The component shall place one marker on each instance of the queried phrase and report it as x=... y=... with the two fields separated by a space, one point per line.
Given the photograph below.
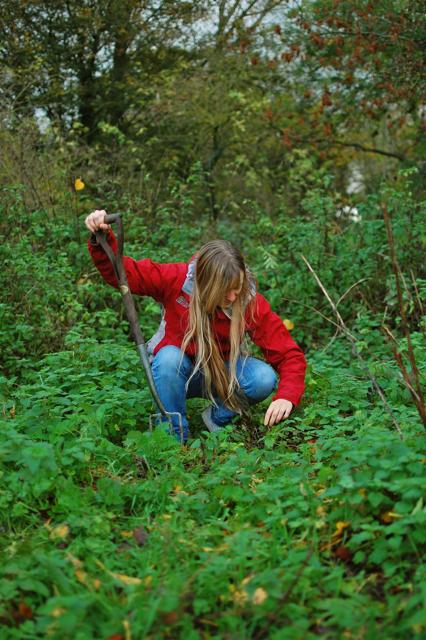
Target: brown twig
x=352 y=340
x=419 y=301
x=342 y=297
x=418 y=398
x=400 y=362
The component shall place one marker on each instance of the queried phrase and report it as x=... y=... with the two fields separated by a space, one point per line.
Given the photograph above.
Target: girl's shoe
x=207 y=419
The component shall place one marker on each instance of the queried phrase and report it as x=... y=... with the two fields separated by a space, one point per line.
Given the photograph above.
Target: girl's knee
x=169 y=362
x=260 y=383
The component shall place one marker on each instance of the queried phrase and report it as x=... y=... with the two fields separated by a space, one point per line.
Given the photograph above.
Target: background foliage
x=288 y=128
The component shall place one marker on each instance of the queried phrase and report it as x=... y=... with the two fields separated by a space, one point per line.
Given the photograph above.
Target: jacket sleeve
x=145 y=277
x=267 y=330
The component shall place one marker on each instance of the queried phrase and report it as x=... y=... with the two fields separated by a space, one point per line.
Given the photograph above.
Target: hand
x=95 y=221
x=278 y=410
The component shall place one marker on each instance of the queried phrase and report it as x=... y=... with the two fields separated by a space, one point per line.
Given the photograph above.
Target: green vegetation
x=254 y=127
x=314 y=528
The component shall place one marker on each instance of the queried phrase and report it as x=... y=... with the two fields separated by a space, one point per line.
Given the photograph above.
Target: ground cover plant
x=315 y=528
x=298 y=132
x=108 y=530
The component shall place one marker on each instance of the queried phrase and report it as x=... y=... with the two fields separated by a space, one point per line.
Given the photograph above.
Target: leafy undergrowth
x=315 y=528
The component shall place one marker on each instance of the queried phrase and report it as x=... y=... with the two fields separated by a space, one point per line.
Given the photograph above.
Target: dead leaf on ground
x=259 y=596
x=343 y=553
x=141 y=536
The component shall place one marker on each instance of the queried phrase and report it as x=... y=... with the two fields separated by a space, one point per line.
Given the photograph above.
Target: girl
x=209 y=306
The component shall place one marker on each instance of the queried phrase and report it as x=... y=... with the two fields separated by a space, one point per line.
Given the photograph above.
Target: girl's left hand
x=278 y=410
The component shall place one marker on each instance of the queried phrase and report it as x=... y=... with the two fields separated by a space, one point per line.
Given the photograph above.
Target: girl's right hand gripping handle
x=116 y=217
x=112 y=217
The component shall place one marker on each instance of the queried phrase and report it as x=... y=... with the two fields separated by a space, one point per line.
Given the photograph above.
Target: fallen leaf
x=343 y=553
x=60 y=532
x=389 y=516
x=239 y=596
x=81 y=576
x=335 y=538
x=126 y=625
x=121 y=577
x=74 y=561
x=259 y=596
x=140 y=535
x=170 y=617
x=79 y=184
x=288 y=324
x=340 y=527
x=22 y=612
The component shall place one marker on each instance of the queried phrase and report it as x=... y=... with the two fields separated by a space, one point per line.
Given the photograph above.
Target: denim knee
x=169 y=363
x=258 y=380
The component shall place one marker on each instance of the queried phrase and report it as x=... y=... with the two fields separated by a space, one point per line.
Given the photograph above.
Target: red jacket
x=171 y=286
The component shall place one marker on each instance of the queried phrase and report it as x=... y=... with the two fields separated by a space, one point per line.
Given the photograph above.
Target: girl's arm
x=267 y=330
x=145 y=277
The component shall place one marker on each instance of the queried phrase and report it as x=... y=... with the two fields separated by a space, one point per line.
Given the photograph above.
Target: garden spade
x=129 y=306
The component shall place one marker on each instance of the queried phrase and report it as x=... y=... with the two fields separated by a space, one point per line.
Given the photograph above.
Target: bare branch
x=418 y=399
x=404 y=373
x=419 y=302
x=360 y=147
x=349 y=290
x=352 y=340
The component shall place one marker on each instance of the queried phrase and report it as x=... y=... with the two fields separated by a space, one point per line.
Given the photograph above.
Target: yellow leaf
x=121 y=577
x=60 y=532
x=81 y=576
x=288 y=324
x=57 y=612
x=77 y=564
x=389 y=516
x=126 y=626
x=79 y=184
x=340 y=527
x=239 y=596
x=259 y=596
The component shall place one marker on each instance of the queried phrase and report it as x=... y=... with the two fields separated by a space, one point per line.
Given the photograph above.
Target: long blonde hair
x=218 y=270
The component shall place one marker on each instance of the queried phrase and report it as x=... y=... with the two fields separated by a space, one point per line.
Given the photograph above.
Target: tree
x=85 y=60
x=359 y=72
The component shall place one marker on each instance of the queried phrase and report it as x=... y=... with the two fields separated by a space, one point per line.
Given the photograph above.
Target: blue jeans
x=171 y=372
